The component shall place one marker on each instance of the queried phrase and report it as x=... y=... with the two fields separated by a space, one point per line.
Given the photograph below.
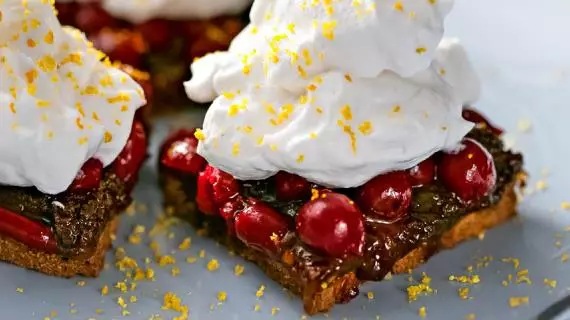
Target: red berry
x=31 y=233
x=332 y=224
x=180 y=153
x=90 y=18
x=204 y=192
x=423 y=173
x=261 y=227
x=157 y=33
x=66 y=12
x=124 y=46
x=476 y=117
x=215 y=188
x=469 y=172
x=89 y=176
x=386 y=197
x=290 y=187
x=230 y=210
x=130 y=160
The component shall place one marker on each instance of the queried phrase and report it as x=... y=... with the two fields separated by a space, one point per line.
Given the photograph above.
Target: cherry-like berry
x=476 y=117
x=386 y=197
x=333 y=224
x=179 y=153
x=31 y=233
x=157 y=34
x=89 y=176
x=215 y=188
x=290 y=187
x=229 y=210
x=423 y=173
x=130 y=160
x=261 y=227
x=469 y=171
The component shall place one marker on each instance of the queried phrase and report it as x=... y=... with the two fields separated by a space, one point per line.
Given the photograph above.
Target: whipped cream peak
x=59 y=104
x=138 y=11
x=334 y=91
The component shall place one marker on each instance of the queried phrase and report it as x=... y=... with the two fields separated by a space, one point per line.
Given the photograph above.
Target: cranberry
x=157 y=34
x=205 y=193
x=474 y=116
x=386 y=197
x=469 y=172
x=130 y=160
x=333 y=224
x=124 y=46
x=90 y=18
x=180 y=153
x=423 y=173
x=215 y=188
x=89 y=176
x=230 y=210
x=261 y=227
x=66 y=12
x=31 y=233
x=290 y=187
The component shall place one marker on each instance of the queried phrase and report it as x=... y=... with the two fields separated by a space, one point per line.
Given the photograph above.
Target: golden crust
x=19 y=254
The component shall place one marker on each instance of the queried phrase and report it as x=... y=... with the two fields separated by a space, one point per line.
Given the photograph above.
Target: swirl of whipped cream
x=334 y=91
x=59 y=104
x=138 y=11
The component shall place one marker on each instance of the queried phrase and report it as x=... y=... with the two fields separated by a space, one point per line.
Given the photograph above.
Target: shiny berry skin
x=91 y=18
x=387 y=196
x=130 y=160
x=229 y=210
x=157 y=34
x=333 y=224
x=180 y=153
x=125 y=46
x=89 y=176
x=423 y=173
x=215 y=188
x=469 y=172
x=261 y=227
x=204 y=193
x=31 y=233
x=476 y=117
x=289 y=187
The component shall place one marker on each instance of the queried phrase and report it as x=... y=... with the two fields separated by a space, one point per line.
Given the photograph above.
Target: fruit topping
x=229 y=210
x=157 y=34
x=91 y=18
x=476 y=117
x=125 y=46
x=130 y=160
x=66 y=12
x=290 y=187
x=179 y=153
x=261 y=227
x=423 y=173
x=215 y=188
x=469 y=171
x=31 y=233
x=333 y=224
x=387 y=196
x=89 y=176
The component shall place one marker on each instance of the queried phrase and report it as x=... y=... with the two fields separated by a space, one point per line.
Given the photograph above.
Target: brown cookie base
x=19 y=254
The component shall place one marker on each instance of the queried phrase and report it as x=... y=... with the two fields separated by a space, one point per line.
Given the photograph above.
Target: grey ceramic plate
x=522 y=51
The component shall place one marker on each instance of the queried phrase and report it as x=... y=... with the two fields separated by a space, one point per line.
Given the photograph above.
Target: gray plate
x=522 y=51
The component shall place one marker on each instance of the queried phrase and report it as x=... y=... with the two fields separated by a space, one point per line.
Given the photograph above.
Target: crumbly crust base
x=19 y=254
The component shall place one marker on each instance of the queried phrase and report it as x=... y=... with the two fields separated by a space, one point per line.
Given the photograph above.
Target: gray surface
x=523 y=54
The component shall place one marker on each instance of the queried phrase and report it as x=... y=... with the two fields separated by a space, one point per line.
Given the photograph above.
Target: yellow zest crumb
x=121 y=302
x=565 y=205
x=166 y=260
x=105 y=291
x=274 y=311
x=550 y=283
x=185 y=244
x=175 y=271
x=370 y=295
x=81 y=283
x=20 y=290
x=222 y=296
x=471 y=279
x=463 y=293
x=122 y=286
x=422 y=312
x=238 y=270
x=515 y=302
x=191 y=259
x=260 y=291
x=471 y=316
x=414 y=291
x=213 y=265
x=172 y=302
x=256 y=307
x=133 y=299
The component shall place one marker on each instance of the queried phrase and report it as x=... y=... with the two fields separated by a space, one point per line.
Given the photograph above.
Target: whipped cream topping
x=334 y=91
x=138 y=11
x=59 y=104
